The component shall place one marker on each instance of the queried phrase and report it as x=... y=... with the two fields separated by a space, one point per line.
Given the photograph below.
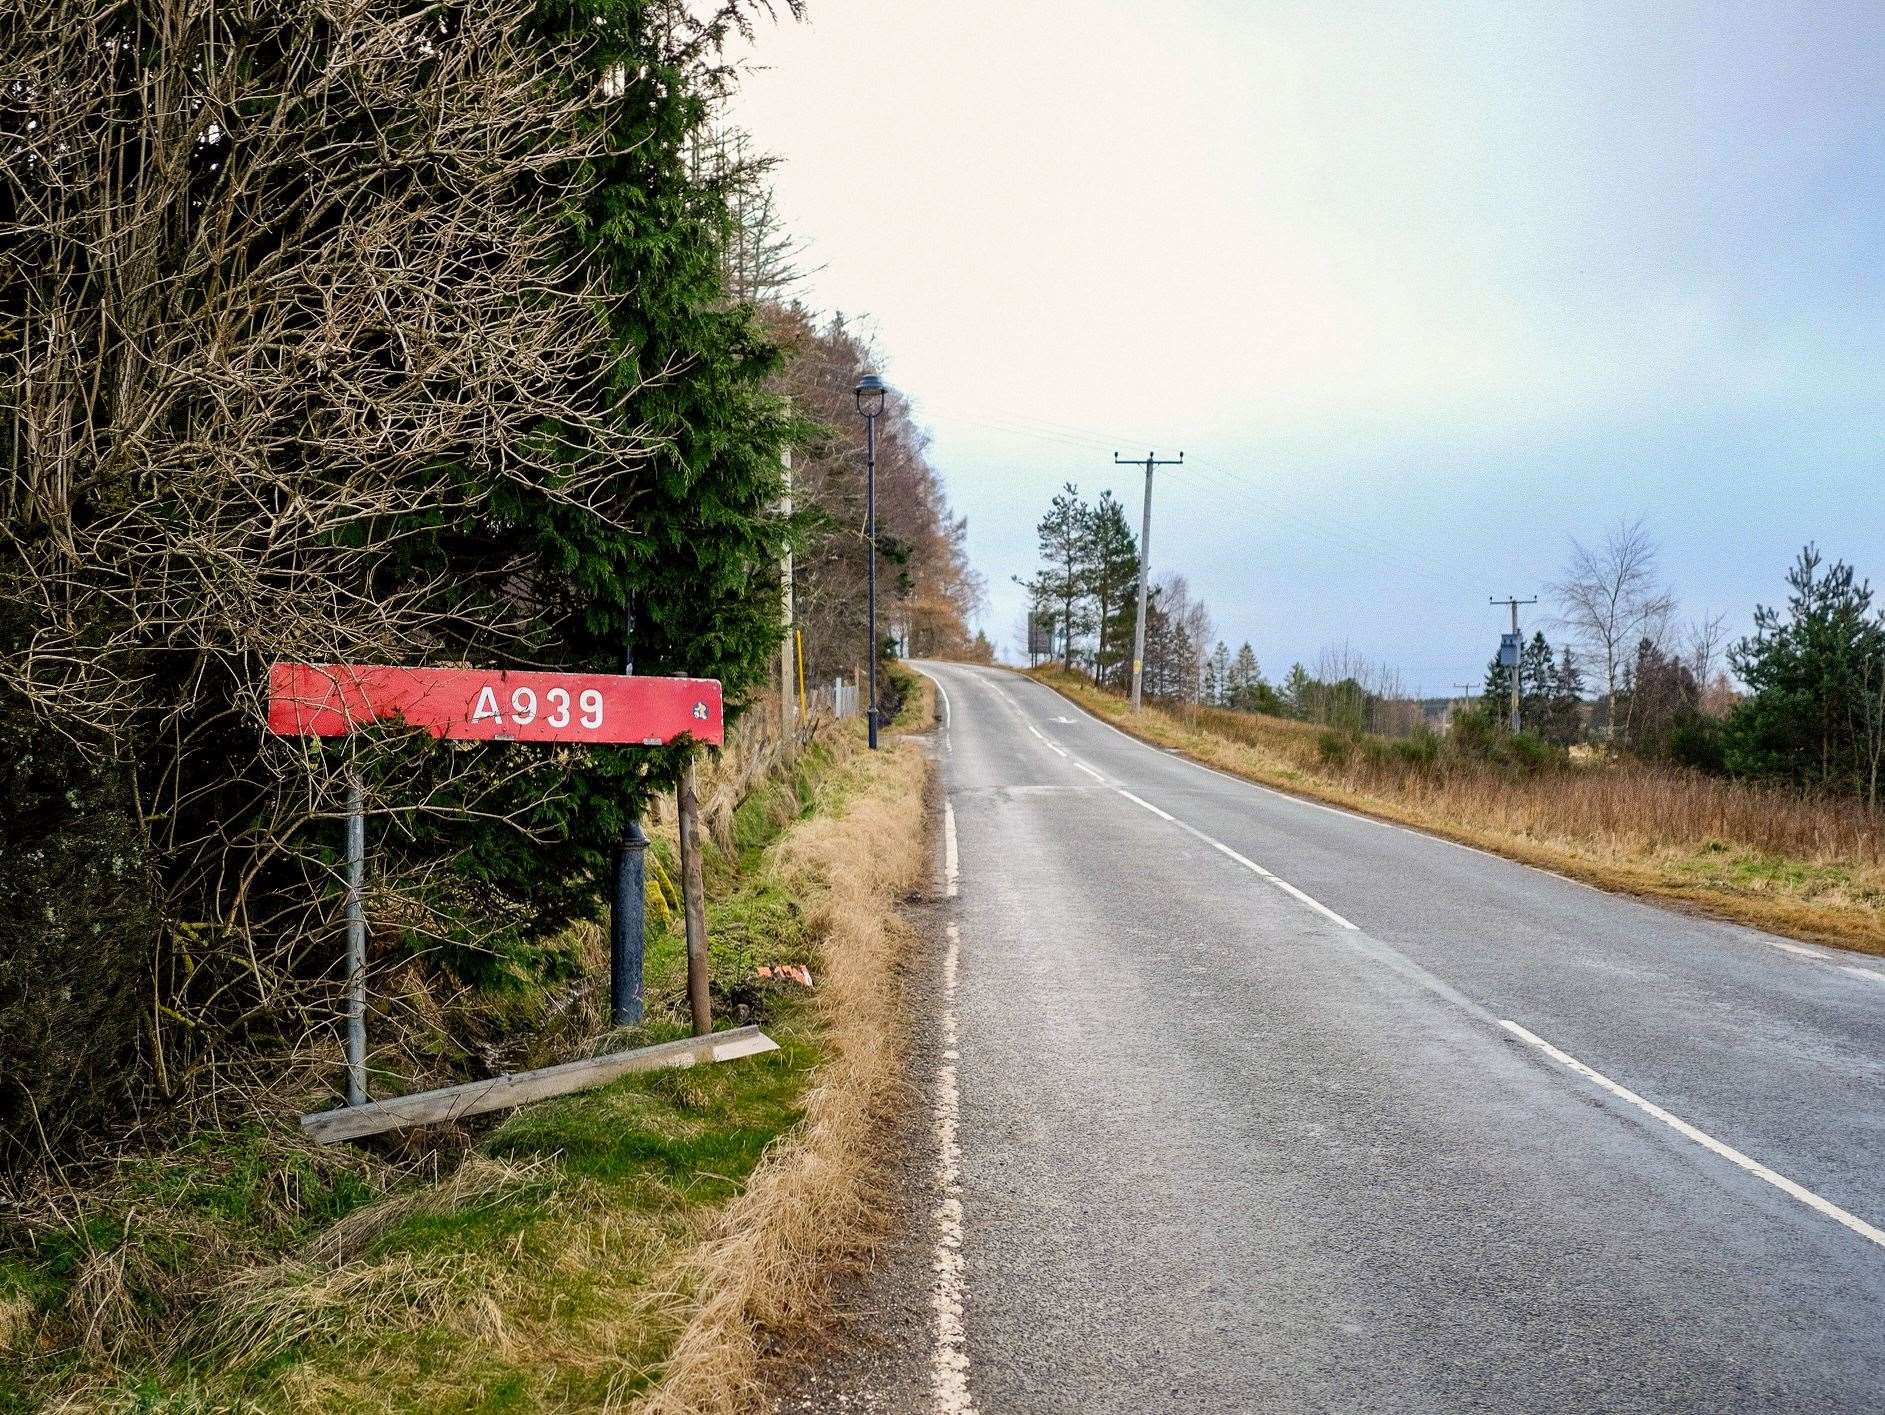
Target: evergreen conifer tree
x=1298 y=691
x=1567 y=699
x=1219 y=682
x=1537 y=676
x=685 y=555
x=1059 y=589
x=1111 y=556
x=1496 y=696
x=1813 y=673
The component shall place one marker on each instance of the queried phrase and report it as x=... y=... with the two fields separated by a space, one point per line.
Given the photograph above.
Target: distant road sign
x=1040 y=635
x=494 y=705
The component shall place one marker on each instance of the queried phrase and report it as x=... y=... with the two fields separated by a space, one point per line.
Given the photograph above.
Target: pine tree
x=1537 y=675
x=1496 y=696
x=1247 y=687
x=1111 y=561
x=1298 y=691
x=1567 y=699
x=1059 y=589
x=1813 y=674
x=1219 y=683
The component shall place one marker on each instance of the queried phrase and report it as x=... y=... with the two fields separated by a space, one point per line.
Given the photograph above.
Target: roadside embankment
x=650 y=1245
x=1805 y=867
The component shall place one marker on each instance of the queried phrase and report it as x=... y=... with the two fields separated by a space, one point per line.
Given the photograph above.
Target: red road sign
x=494 y=705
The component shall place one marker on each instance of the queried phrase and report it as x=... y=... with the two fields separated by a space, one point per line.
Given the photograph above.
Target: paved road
x=1245 y=1103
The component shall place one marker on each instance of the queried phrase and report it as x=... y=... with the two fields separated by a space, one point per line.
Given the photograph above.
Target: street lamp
x=870 y=402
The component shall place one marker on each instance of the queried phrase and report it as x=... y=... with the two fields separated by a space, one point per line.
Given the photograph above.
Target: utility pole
x=1518 y=649
x=871 y=393
x=1145 y=563
x=870 y=535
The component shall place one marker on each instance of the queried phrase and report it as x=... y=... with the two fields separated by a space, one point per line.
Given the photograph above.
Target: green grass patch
x=1721 y=864
x=916 y=699
x=561 y=1227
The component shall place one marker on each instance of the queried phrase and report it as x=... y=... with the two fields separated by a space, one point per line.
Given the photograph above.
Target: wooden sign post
x=472 y=705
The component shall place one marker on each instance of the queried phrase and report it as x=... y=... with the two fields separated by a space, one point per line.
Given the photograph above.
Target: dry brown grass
x=16 y=1323
x=578 y=1276
x=1804 y=866
x=813 y=1208
x=332 y=1287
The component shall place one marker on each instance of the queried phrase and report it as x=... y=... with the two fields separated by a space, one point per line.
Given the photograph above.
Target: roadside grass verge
x=916 y=705
x=649 y=1244
x=1806 y=867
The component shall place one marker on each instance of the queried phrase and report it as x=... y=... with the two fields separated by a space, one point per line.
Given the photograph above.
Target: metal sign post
x=491 y=705
x=356 y=942
x=628 y=906
x=1040 y=637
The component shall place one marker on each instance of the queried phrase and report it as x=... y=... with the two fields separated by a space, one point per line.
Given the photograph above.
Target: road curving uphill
x=1260 y=1104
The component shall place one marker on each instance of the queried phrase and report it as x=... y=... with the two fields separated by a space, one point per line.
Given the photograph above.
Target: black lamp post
x=870 y=402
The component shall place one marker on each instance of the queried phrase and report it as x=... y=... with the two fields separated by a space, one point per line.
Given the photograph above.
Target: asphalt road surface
x=1244 y=1103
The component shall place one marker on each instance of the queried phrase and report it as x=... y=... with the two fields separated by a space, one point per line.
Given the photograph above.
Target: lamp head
x=870 y=395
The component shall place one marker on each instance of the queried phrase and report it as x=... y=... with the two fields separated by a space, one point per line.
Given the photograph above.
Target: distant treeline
x=1800 y=701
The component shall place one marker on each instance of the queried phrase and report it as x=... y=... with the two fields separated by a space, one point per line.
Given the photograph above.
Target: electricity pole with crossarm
x=1145 y=562
x=1516 y=651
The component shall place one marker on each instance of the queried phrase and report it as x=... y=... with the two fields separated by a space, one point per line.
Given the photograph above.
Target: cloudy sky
x=1422 y=290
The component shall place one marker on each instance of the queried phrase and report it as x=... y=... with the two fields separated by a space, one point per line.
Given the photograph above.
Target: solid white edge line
x=949 y=1364
x=1706 y=1141
x=1087 y=769
x=951 y=872
x=1863 y=972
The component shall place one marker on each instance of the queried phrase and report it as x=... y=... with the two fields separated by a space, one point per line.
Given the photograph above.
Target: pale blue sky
x=1421 y=290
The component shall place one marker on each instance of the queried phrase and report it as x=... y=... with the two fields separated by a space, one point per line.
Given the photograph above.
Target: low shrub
x=1335 y=748
x=1699 y=743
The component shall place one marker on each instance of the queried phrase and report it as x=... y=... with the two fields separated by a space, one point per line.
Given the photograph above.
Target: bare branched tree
x=1705 y=643
x=1611 y=600
x=763 y=260
x=1869 y=727
x=290 y=312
